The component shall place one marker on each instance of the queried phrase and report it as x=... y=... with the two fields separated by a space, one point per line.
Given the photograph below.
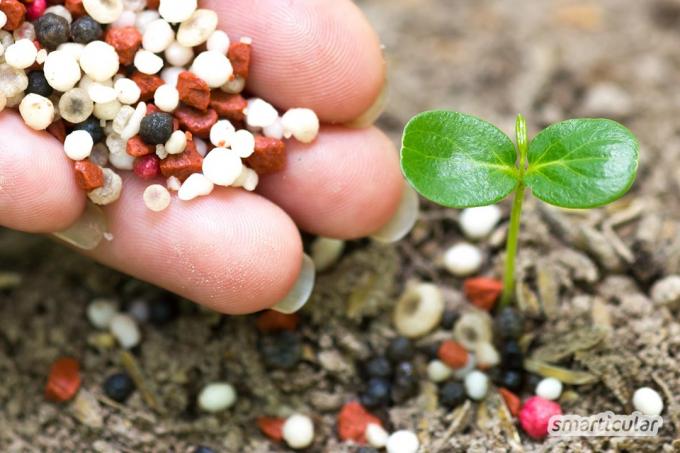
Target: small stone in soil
x=400 y=349
x=298 y=431
x=377 y=393
x=378 y=367
x=479 y=222
x=463 y=259
x=37 y=84
x=452 y=394
x=93 y=127
x=52 y=31
x=282 y=350
x=535 y=414
x=119 y=387
x=64 y=380
x=203 y=449
x=438 y=371
x=476 y=385
x=163 y=311
x=511 y=379
x=549 y=388
x=156 y=128
x=648 y=401
x=403 y=442
x=217 y=397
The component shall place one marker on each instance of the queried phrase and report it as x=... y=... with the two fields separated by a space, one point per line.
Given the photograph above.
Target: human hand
x=239 y=252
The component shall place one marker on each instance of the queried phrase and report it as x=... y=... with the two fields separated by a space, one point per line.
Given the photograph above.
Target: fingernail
x=88 y=231
x=403 y=221
x=299 y=295
x=372 y=114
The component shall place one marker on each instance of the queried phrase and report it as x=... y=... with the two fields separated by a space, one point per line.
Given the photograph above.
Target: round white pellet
x=487 y=355
x=213 y=67
x=549 y=388
x=217 y=397
x=171 y=75
x=275 y=130
x=260 y=113
x=243 y=143
x=476 y=385
x=126 y=19
x=173 y=183
x=419 y=310
x=148 y=62
x=219 y=42
x=197 y=29
x=221 y=133
x=104 y=11
x=126 y=331
x=158 y=36
x=463 y=259
x=222 y=166
x=303 y=124
x=178 y=55
x=99 y=61
x=298 y=431
x=100 y=312
x=376 y=436
x=139 y=310
x=61 y=70
x=127 y=90
x=402 y=441
x=438 y=371
x=156 y=198
x=21 y=54
x=177 y=143
x=201 y=146
x=196 y=185
x=3 y=19
x=75 y=106
x=59 y=10
x=176 y=11
x=37 y=111
x=166 y=98
x=110 y=192
x=144 y=18
x=108 y=110
x=248 y=179
x=648 y=401
x=78 y=145
x=122 y=161
x=40 y=57
x=101 y=93
x=72 y=48
x=479 y=222
x=234 y=86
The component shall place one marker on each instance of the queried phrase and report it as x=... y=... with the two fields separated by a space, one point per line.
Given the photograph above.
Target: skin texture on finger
x=345 y=185
x=38 y=191
x=233 y=251
x=320 y=54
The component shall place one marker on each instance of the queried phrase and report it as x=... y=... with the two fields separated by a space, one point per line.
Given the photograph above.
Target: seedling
x=461 y=161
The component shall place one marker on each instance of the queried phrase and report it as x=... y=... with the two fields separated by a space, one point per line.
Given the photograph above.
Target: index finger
x=322 y=55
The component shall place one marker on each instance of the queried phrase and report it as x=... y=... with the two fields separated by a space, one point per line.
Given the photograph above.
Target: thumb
x=38 y=190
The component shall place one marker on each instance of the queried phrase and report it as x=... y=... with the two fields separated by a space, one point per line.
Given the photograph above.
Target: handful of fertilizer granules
x=146 y=86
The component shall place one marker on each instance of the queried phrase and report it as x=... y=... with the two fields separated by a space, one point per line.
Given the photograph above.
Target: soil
x=585 y=277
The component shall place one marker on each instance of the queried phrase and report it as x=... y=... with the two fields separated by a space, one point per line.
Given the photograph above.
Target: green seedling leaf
x=458 y=160
x=582 y=163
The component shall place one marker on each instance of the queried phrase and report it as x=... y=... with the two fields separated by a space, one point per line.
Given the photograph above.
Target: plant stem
x=515 y=215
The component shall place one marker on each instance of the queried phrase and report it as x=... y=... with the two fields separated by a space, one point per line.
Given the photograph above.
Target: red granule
x=63 y=381
x=269 y=156
x=229 y=106
x=274 y=321
x=183 y=165
x=15 y=12
x=147 y=167
x=35 y=9
x=272 y=427
x=147 y=83
x=58 y=130
x=535 y=415
x=511 y=400
x=126 y=41
x=137 y=148
x=452 y=354
x=353 y=420
x=239 y=56
x=195 y=121
x=89 y=176
x=75 y=7
x=193 y=91
x=483 y=292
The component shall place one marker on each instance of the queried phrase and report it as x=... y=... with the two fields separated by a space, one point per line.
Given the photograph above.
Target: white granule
x=195 y=186
x=158 y=36
x=61 y=70
x=197 y=29
x=221 y=134
x=177 y=143
x=222 y=166
x=148 y=62
x=36 y=111
x=99 y=61
x=213 y=67
x=178 y=55
x=78 y=145
x=219 y=42
x=260 y=113
x=156 y=198
x=166 y=98
x=127 y=90
x=21 y=54
x=303 y=124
